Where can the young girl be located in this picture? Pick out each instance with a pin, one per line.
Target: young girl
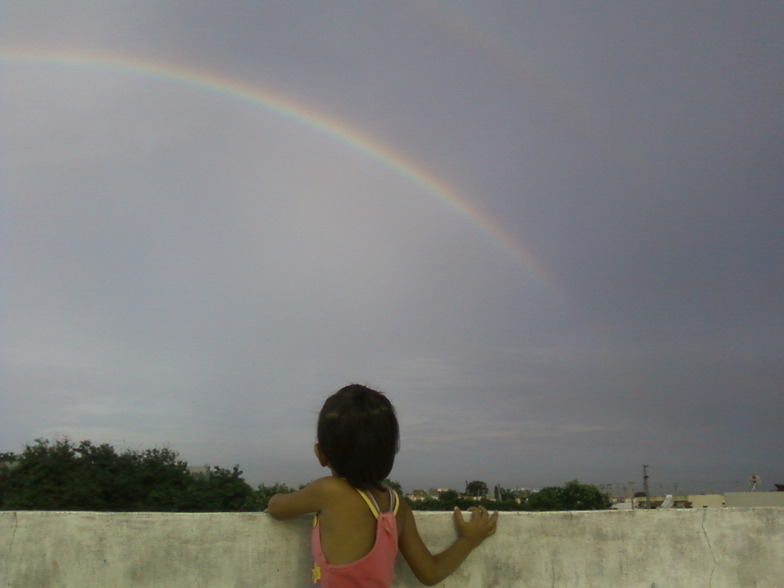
(360, 524)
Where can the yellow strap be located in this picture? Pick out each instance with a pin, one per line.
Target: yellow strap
(395, 499)
(397, 502)
(369, 502)
(371, 506)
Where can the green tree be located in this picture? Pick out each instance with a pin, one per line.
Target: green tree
(221, 490)
(163, 482)
(394, 485)
(449, 495)
(44, 477)
(263, 493)
(61, 475)
(476, 488)
(572, 496)
(7, 463)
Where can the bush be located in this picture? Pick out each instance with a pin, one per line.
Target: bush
(61, 475)
(572, 496)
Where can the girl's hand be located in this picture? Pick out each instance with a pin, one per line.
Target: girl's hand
(431, 569)
(481, 525)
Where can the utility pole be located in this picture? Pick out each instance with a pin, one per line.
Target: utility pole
(645, 486)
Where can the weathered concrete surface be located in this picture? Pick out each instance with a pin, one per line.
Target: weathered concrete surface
(711, 548)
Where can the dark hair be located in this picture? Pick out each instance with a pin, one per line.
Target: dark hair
(359, 436)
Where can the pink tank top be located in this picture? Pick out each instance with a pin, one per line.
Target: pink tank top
(373, 570)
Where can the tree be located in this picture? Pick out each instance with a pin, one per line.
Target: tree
(261, 496)
(476, 488)
(45, 477)
(7, 462)
(61, 475)
(449, 495)
(572, 496)
(394, 485)
(221, 490)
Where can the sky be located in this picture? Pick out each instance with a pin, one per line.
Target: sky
(551, 232)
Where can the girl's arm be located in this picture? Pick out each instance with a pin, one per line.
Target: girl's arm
(310, 499)
(431, 569)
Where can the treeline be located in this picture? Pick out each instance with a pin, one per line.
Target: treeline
(571, 496)
(62, 475)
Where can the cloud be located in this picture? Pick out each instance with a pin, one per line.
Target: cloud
(186, 268)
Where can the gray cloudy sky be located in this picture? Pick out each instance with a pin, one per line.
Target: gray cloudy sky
(182, 265)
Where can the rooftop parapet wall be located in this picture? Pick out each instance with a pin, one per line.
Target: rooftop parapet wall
(712, 548)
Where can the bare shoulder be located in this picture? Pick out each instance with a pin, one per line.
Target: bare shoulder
(328, 484)
(404, 515)
(334, 492)
(336, 488)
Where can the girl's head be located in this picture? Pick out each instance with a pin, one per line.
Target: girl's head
(358, 435)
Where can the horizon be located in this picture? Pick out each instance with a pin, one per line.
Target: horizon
(615, 489)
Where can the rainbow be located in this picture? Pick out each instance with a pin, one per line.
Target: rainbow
(302, 114)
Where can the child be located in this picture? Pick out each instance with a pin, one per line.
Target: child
(360, 524)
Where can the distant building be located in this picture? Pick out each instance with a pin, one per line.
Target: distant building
(706, 500)
(728, 499)
(746, 499)
(679, 501)
(418, 495)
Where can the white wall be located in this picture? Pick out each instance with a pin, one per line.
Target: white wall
(714, 548)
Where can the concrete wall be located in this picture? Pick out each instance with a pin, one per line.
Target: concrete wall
(712, 548)
(745, 499)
